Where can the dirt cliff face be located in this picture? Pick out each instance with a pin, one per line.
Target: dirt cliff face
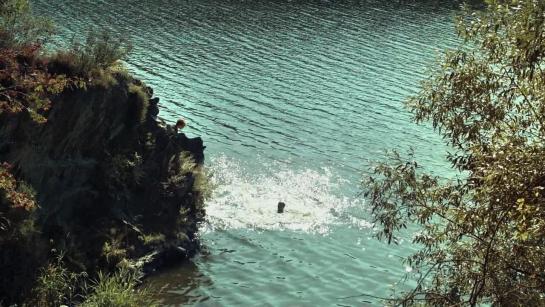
(113, 182)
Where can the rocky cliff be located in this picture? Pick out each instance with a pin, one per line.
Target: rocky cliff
(113, 182)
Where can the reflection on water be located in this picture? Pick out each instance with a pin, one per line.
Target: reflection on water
(292, 98)
(179, 282)
(286, 268)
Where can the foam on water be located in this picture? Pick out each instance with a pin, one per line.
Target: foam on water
(247, 200)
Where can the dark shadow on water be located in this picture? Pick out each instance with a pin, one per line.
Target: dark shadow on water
(176, 285)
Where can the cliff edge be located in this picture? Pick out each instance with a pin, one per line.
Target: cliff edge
(110, 183)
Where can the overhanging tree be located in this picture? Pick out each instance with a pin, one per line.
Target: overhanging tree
(483, 233)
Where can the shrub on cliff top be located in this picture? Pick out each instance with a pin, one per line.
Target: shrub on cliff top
(25, 84)
(100, 51)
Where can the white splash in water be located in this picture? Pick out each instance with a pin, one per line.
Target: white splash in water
(241, 200)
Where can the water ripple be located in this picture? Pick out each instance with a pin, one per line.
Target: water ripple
(288, 89)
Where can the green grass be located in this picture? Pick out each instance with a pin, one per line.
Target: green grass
(55, 286)
(118, 290)
(203, 183)
(153, 238)
(113, 251)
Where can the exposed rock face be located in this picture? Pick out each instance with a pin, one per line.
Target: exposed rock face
(112, 182)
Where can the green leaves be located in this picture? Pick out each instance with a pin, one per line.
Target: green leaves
(482, 233)
(19, 27)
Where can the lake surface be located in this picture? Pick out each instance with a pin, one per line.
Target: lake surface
(293, 99)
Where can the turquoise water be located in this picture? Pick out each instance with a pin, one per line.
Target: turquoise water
(293, 100)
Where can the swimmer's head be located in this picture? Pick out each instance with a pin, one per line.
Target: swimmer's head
(281, 206)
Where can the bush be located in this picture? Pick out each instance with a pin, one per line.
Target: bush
(152, 239)
(16, 206)
(25, 83)
(113, 250)
(140, 99)
(118, 290)
(203, 182)
(55, 286)
(22, 251)
(101, 50)
(19, 27)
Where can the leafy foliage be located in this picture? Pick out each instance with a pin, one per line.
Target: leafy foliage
(18, 236)
(25, 83)
(19, 27)
(100, 51)
(113, 250)
(15, 206)
(482, 234)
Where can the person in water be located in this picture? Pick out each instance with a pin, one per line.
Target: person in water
(281, 206)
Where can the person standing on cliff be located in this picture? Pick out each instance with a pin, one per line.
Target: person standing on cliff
(180, 124)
